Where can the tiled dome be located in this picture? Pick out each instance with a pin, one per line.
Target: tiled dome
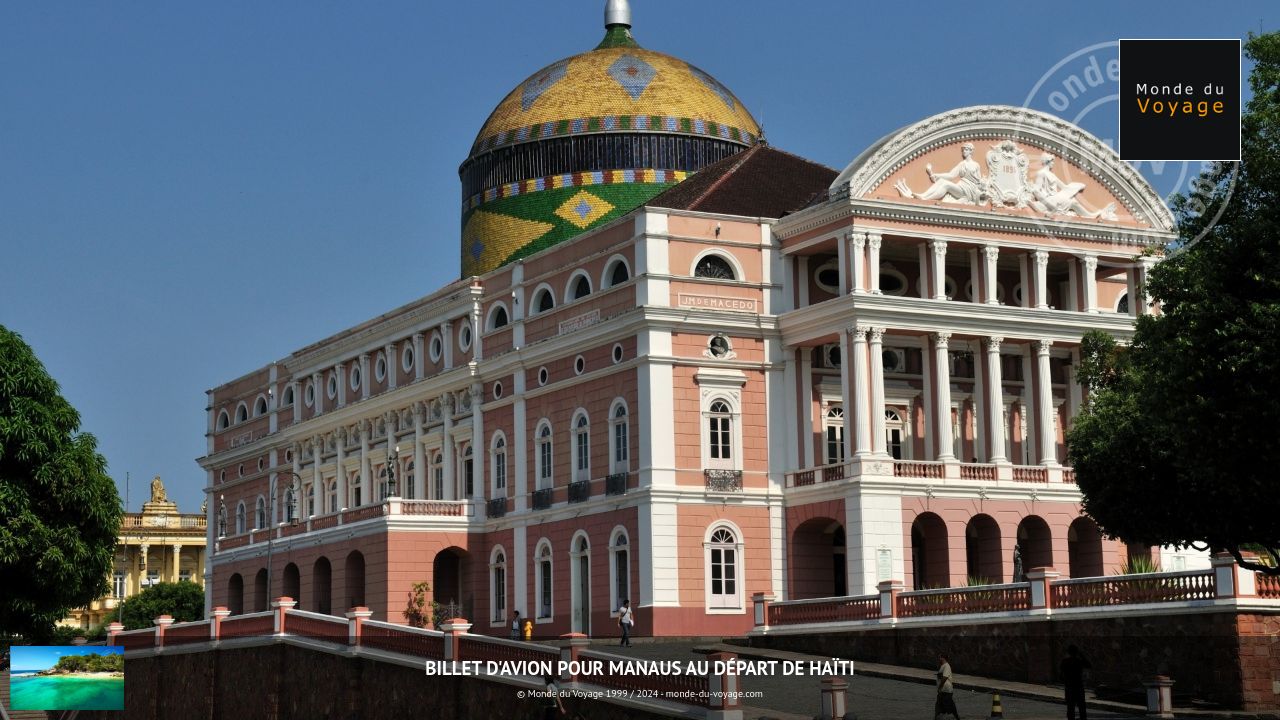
(587, 139)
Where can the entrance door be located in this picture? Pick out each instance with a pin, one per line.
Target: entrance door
(582, 587)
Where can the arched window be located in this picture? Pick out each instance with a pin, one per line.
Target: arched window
(288, 394)
(543, 580)
(260, 406)
(240, 519)
(582, 448)
(242, 413)
(619, 570)
(895, 431)
(380, 489)
(498, 585)
(543, 301)
(714, 267)
(498, 317)
(357, 490)
(224, 420)
(720, 434)
(834, 432)
(290, 497)
(499, 464)
(620, 453)
(468, 473)
(544, 456)
(1122, 305)
(311, 500)
(579, 287)
(723, 561)
(617, 273)
(260, 514)
(333, 496)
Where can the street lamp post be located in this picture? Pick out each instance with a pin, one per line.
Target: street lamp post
(272, 525)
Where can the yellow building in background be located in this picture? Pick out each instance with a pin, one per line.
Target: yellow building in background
(156, 545)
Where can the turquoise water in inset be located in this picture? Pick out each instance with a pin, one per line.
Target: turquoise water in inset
(66, 692)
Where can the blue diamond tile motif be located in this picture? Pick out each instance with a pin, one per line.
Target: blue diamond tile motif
(583, 209)
(477, 248)
(540, 83)
(713, 85)
(633, 74)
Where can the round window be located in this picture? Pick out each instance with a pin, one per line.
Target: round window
(380, 368)
(355, 378)
(437, 348)
(579, 365)
(542, 376)
(309, 395)
(833, 356)
(497, 390)
(892, 282)
(827, 276)
(617, 353)
(464, 338)
(333, 386)
(406, 358)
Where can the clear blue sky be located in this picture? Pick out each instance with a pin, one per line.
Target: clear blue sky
(43, 657)
(189, 191)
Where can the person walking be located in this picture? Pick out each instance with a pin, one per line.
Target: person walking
(625, 620)
(946, 702)
(1073, 670)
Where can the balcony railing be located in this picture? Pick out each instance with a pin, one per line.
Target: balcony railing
(579, 491)
(972, 471)
(542, 499)
(495, 507)
(1030, 473)
(919, 469)
(615, 484)
(723, 480)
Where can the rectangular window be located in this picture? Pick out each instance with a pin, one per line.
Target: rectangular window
(439, 482)
(184, 576)
(153, 577)
(620, 444)
(499, 593)
(720, 438)
(544, 605)
(500, 470)
(544, 465)
(622, 578)
(468, 475)
(117, 585)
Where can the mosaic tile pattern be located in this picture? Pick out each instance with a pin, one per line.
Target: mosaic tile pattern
(584, 209)
(608, 123)
(715, 86)
(538, 84)
(633, 74)
(579, 179)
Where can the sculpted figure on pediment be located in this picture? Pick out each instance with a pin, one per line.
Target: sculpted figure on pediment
(963, 184)
(1054, 197)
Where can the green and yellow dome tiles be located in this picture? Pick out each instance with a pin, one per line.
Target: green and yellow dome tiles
(588, 139)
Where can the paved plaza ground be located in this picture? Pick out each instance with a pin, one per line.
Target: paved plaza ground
(870, 698)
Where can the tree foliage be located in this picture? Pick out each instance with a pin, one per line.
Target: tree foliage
(183, 601)
(59, 511)
(1178, 445)
(90, 663)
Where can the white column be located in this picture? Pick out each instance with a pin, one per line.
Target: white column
(478, 445)
(877, 391)
(1144, 299)
(477, 345)
(419, 455)
(317, 391)
(923, 256)
(939, 248)
(995, 400)
(842, 265)
(929, 400)
(393, 365)
(366, 474)
(1024, 278)
(975, 274)
(317, 481)
(942, 425)
(418, 365)
(365, 378)
(978, 402)
(446, 446)
(300, 494)
(340, 442)
(1044, 402)
(873, 261)
(862, 428)
(446, 337)
(848, 401)
(1131, 282)
(1027, 402)
(990, 255)
(1073, 286)
(177, 556)
(297, 401)
(340, 376)
(857, 248)
(1042, 279)
(804, 418)
(1089, 265)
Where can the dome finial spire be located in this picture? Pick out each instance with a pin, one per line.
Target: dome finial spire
(617, 12)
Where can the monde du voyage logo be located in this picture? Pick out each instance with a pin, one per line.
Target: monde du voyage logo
(1180, 100)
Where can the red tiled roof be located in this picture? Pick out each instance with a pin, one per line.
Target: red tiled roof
(757, 182)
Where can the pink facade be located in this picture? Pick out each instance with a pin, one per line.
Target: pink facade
(684, 407)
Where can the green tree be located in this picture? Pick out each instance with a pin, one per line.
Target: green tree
(183, 601)
(59, 511)
(1178, 444)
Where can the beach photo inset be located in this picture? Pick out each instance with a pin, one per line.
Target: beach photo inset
(61, 677)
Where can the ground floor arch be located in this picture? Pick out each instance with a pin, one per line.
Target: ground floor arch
(292, 581)
(355, 585)
(1084, 548)
(818, 560)
(1035, 544)
(930, 564)
(448, 577)
(235, 594)
(983, 550)
(260, 591)
(321, 586)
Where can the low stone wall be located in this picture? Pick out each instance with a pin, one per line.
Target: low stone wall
(282, 681)
(1228, 658)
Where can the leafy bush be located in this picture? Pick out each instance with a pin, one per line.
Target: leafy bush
(184, 601)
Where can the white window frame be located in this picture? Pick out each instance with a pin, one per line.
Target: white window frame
(260, 513)
(833, 432)
(242, 413)
(734, 418)
(533, 299)
(242, 519)
(437, 473)
(435, 346)
(498, 465)
(119, 585)
(332, 494)
(606, 277)
(738, 274)
(573, 280)
(355, 491)
(619, 437)
(261, 406)
(498, 582)
(724, 603)
(615, 548)
(580, 431)
(543, 553)
(224, 420)
(544, 458)
(491, 317)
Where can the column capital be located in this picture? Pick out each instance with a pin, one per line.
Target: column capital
(1042, 346)
(991, 252)
(874, 238)
(993, 343)
(939, 247)
(1041, 257)
(364, 357)
(857, 237)
(417, 337)
(941, 339)
(876, 334)
(1090, 262)
(447, 325)
(858, 332)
